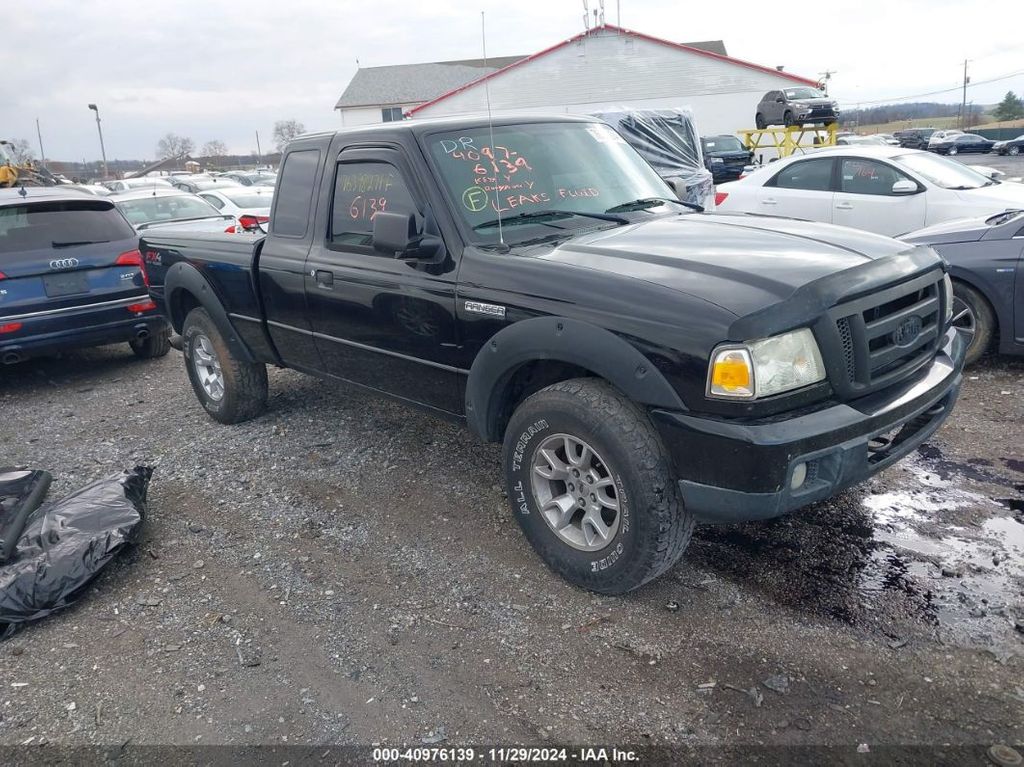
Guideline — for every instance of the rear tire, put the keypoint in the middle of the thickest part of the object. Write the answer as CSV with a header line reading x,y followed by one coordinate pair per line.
x,y
152,346
619,521
759,121
973,312
230,389
953,151
1013,150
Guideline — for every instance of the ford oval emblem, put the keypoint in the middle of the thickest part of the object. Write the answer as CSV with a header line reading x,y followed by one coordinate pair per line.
x,y
64,263
907,331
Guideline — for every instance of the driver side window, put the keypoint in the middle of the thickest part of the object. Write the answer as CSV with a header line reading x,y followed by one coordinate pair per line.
x,y
860,176
361,191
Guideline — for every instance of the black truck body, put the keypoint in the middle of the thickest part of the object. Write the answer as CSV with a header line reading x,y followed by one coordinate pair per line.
x,y
470,319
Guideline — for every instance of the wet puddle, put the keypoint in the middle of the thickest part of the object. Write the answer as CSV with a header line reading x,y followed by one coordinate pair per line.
x,y
931,545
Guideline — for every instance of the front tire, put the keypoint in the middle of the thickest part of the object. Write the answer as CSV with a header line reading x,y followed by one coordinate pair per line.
x,y
152,346
1013,150
953,151
592,487
230,389
972,312
759,121
787,119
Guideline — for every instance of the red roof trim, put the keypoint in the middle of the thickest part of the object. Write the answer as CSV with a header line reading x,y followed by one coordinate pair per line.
x,y
613,28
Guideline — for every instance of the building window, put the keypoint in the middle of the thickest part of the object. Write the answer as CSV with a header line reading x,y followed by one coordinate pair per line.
x,y
391,114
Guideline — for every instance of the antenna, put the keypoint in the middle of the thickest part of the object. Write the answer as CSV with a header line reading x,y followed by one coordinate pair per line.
x,y
586,15
601,4
490,122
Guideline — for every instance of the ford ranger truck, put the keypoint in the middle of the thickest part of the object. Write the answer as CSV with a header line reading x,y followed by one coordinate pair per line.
x,y
644,364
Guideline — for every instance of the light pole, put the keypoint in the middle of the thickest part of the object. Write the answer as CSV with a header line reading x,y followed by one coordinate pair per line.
x,y
103,151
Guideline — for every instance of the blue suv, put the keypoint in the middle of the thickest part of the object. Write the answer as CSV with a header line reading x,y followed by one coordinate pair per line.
x,y
71,275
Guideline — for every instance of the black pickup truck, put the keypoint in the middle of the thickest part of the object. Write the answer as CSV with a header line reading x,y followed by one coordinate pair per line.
x,y
644,364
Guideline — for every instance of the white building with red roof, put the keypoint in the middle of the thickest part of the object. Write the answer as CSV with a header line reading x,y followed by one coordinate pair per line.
x,y
609,67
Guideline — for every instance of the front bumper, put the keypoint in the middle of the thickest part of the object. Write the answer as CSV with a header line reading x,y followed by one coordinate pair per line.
x,y
732,471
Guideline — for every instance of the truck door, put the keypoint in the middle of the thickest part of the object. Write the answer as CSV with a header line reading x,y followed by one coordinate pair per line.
x,y
281,267
379,321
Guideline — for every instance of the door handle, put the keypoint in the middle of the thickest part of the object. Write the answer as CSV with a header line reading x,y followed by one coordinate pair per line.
x,y
769,201
324,278
843,206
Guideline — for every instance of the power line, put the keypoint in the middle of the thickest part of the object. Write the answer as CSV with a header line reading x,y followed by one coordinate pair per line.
x,y
936,93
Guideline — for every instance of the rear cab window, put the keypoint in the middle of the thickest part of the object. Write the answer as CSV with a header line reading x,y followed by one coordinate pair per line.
x,y
59,224
295,188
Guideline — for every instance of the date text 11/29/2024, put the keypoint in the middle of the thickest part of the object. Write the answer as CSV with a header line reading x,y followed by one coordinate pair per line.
x,y
500,754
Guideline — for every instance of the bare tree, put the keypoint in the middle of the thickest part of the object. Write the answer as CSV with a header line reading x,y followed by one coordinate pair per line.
x,y
215,148
173,145
21,151
285,131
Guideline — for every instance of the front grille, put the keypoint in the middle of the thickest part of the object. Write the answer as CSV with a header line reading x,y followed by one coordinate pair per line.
x,y
886,336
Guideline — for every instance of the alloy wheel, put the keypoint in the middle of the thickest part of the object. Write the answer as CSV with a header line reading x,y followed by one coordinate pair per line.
x,y
575,491
207,367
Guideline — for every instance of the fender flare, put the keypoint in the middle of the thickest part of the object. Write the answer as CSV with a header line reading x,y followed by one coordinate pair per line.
x,y
559,340
184,276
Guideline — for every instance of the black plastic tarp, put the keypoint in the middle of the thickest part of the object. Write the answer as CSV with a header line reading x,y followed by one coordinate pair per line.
x,y
668,140
65,545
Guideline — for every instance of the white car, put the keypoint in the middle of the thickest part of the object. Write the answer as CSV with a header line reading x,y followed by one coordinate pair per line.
x,y
940,135
239,201
886,190
131,184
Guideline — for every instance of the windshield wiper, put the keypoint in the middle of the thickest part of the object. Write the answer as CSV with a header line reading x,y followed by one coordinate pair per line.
x,y
650,202
72,244
534,215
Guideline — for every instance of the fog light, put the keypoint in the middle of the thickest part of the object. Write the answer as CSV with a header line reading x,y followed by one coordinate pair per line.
x,y
799,475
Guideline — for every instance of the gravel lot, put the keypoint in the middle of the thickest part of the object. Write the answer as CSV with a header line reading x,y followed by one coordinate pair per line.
x,y
345,570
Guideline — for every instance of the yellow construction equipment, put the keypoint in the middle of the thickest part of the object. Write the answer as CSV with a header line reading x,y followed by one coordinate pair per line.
x,y
23,174
787,141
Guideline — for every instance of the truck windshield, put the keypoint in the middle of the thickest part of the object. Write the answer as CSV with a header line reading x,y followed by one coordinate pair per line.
x,y
574,167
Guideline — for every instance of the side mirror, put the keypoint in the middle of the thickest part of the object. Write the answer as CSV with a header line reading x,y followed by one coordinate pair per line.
x,y
397,235
780,100
904,186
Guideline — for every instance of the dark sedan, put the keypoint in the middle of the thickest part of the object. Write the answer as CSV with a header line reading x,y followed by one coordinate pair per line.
x,y
726,157
1012,147
71,275
984,254
962,143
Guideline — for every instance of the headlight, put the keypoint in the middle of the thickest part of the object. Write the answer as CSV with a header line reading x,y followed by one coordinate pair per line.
x,y
766,367
947,292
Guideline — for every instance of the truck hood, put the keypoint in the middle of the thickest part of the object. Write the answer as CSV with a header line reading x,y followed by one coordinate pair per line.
x,y
739,262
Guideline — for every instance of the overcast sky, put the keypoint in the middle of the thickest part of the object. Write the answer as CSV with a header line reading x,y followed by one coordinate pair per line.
x,y
210,69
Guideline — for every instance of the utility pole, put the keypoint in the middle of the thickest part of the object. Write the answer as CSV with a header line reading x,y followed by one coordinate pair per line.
x,y
825,77
103,150
42,154
963,104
